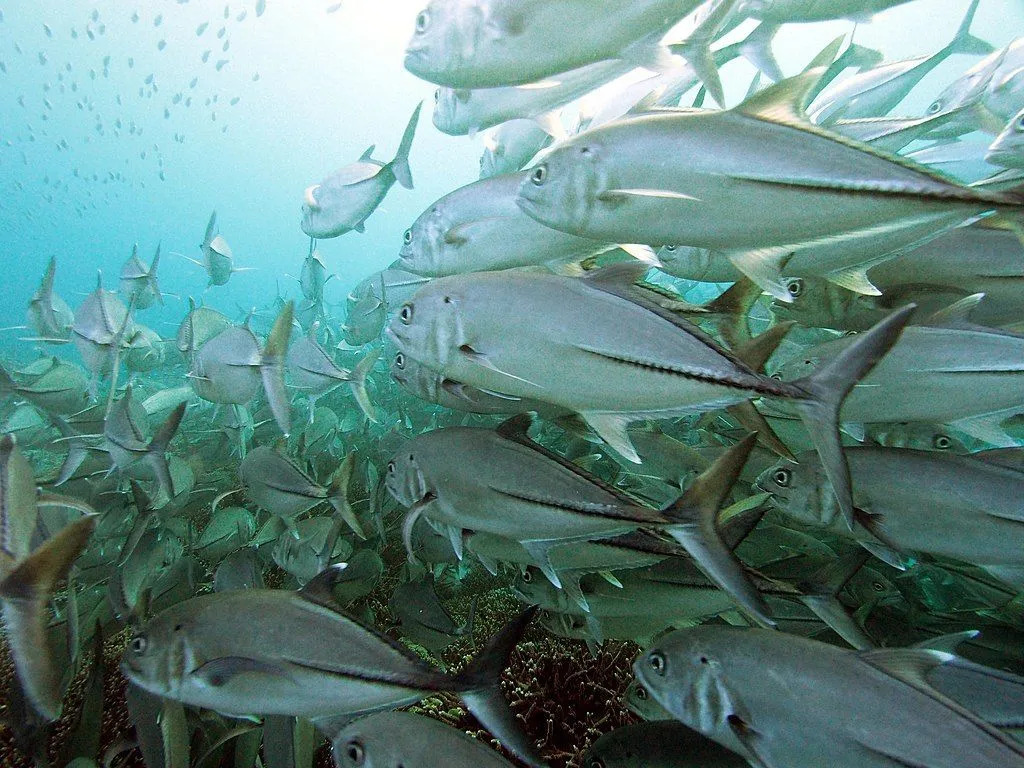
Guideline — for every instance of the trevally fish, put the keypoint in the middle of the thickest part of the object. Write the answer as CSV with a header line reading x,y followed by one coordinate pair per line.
x,y
503,483
48,314
139,286
461,232
658,744
315,373
963,507
628,358
29,577
1007,150
656,178
281,487
511,146
863,709
390,739
345,199
301,656
229,368
491,43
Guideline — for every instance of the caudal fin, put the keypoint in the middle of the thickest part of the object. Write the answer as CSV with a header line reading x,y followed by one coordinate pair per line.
x,y
828,387
695,527
25,593
272,367
479,685
400,165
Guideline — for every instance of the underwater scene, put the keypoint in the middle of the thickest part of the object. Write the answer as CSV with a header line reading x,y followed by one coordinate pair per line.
x,y
491,383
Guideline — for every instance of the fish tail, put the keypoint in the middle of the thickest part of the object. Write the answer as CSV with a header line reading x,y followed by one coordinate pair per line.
x,y
828,387
337,495
400,165
272,367
695,527
25,593
966,43
480,689
156,453
358,384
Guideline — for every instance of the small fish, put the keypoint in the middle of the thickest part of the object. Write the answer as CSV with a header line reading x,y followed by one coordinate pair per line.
x,y
658,744
413,741
302,656
734,685
344,200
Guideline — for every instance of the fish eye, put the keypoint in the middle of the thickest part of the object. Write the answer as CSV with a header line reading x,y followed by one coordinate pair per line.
x,y
355,752
407,237
400,361
539,175
935,108
656,661
391,467
942,442
422,22
795,287
405,313
138,645
782,477
527,577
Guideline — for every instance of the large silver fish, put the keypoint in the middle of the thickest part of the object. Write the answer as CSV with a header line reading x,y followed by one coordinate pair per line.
x,y
345,199
780,700
493,43
139,286
301,656
390,739
230,367
597,348
658,178
462,231
48,314
965,507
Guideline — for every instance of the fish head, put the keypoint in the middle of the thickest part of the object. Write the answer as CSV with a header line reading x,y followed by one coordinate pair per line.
x,y
444,35
451,111
1007,150
563,191
800,490
159,656
428,327
404,479
423,243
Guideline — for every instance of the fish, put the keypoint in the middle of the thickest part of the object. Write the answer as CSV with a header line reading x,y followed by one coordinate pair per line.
x,y
344,200
139,286
458,478
280,486
1007,149
853,708
490,44
48,314
315,373
458,234
413,741
658,744
916,501
230,367
28,577
511,147
335,670
613,183
629,358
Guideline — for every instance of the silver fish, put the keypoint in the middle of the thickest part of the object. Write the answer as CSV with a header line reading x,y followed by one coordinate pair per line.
x,y
401,738
490,43
48,314
459,232
139,285
915,501
628,358
659,744
657,178
736,686
345,199
335,669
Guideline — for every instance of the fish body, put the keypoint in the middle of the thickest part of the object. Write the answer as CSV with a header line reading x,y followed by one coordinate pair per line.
x,y
344,200
459,233
783,700
472,44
